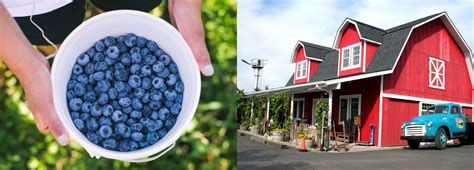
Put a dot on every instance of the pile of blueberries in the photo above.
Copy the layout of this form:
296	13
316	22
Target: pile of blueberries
125	93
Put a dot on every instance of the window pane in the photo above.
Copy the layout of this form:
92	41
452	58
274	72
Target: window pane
304	69
295	108
343	110
300	109
355	55
354	108
345	58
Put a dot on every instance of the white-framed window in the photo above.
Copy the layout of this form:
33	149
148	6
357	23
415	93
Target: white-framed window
349	107
298	108
351	56
436	73
301	69
423	110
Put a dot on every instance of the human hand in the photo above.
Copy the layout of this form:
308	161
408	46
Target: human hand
37	86
186	17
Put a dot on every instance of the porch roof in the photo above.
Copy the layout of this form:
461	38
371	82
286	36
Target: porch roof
299	88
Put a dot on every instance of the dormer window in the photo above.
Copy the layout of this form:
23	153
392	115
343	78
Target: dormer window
351	56
301	69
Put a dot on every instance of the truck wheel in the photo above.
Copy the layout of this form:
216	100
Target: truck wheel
414	144
441	139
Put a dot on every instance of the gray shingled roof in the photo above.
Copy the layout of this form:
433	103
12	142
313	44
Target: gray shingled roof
315	51
385	57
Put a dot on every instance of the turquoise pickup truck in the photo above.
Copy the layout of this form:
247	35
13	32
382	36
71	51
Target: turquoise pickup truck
441	123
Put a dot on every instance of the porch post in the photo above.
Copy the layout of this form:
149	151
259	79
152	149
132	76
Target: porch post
251	111
268	108
329	109
291	108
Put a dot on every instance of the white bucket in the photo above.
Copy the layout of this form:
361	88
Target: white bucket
118	23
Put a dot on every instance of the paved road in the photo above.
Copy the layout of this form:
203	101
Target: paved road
253	155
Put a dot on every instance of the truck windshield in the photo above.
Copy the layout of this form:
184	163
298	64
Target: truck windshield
441	109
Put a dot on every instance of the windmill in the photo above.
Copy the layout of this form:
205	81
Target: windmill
257	66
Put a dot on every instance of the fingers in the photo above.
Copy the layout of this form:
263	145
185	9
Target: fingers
40	124
52	120
187	18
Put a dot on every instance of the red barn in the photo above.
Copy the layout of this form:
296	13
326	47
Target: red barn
385	77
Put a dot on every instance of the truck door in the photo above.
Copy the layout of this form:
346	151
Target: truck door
456	120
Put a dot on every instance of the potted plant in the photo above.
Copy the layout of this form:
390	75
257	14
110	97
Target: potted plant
254	129
277	134
245	124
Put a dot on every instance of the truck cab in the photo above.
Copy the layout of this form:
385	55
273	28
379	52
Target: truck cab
441	123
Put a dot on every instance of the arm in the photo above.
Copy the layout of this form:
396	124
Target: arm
32	69
185	15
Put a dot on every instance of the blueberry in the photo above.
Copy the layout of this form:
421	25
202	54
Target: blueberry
135	68
152	138
77	69
120	38
164	73
109	75
158	83
127	132
91	79
109	61
171	79
96	110
90	96
146	98
146	70
130	122
137	127
105	131
133	146
115	104
71	84
75	115
159	52
175	108
70	94
109	41
100	75
136	104
170	95
134	81
162	133
152	126
135	50
121	75
137	136
98	57
163	114
85	116
103	85
82	79
170	123
179	87
125	102
90	52
105	121
89	68
144	120
113	52
126	59
151	45
83	59
103	98
91	124
122	47
143	143
149	59
93	137
127	110
75	104
99	45
136	114
165	58
169	103
79	124
130	40
107	110
117	116
141	42
136	58
100	66
146	83
179	98
138	93
124	145
158	66
120	128
86	107
173	68
156	96
120	86
154	104
145	51
109	143
123	94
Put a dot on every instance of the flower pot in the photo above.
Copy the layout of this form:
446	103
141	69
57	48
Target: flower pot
243	127
277	137
254	130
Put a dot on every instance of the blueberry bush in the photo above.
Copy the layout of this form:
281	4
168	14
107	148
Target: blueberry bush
208	143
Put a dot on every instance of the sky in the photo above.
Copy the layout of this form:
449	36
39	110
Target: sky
269	29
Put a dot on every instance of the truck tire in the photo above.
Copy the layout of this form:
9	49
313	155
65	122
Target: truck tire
441	139
414	144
